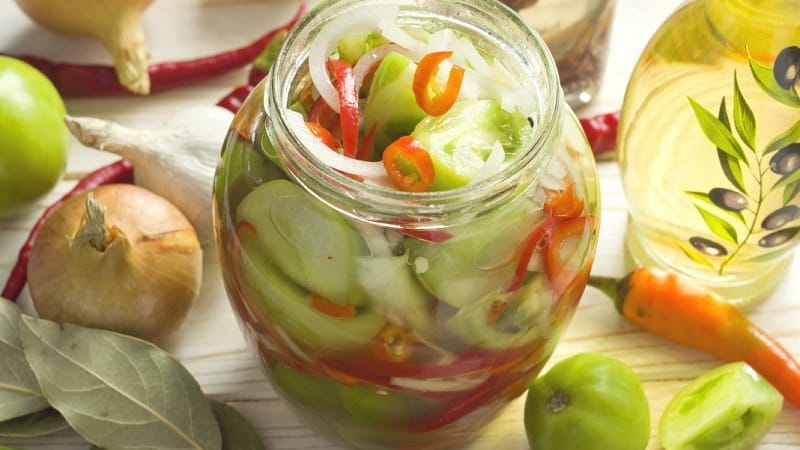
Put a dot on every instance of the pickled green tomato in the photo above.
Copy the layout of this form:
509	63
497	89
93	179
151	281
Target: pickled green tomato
728	408
587	402
34	141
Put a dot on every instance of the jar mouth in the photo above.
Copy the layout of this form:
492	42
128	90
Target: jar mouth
500	33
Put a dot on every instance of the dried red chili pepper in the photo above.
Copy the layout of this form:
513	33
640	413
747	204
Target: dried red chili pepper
677	309
601	131
120	171
97	80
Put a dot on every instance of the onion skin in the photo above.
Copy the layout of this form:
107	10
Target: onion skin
142	284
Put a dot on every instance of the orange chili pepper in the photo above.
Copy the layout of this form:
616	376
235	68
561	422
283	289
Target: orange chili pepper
323	135
677	309
430	96
408	164
563	202
332	309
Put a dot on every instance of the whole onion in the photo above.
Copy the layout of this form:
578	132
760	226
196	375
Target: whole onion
119	258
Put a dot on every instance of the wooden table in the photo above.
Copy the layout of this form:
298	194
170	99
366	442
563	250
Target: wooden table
210	344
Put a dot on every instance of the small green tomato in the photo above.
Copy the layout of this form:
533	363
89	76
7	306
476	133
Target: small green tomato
34	141
587	402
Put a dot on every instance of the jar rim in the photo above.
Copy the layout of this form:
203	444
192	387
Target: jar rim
498	25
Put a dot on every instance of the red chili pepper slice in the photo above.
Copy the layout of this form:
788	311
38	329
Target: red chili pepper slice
564	241
536	239
564	202
366	147
408	164
345	84
431	97
330	308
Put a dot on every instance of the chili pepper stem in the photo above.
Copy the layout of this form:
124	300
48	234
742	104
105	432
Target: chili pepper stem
610	287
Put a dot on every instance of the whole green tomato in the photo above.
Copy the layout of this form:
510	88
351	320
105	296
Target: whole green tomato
588	401
34	140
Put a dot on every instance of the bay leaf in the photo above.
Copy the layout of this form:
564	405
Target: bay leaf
40	423
116	391
19	391
237	432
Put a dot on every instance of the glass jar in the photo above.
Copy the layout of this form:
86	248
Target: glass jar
393	319
709	145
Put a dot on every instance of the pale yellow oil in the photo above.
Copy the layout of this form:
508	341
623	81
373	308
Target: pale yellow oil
664	154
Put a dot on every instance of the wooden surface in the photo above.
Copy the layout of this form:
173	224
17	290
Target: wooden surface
210	344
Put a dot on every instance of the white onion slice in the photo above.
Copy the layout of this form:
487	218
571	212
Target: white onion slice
492	164
364	19
392	31
369	170
365	64
454	384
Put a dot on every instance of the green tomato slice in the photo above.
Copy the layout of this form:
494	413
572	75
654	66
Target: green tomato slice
588	401
461	140
309	242
729	408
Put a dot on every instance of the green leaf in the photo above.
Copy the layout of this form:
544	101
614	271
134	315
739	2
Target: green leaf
768	256
38	424
743	116
787	137
19	392
787	180
732	170
766	81
719	226
116	391
717	132
790	192
704	197
237	432
693	254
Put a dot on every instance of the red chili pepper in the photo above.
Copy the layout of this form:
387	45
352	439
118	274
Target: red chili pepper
345	84
408	164
434	100
536	239
564	202
601	132
677	309
120	171
566	235
366	147
95	80
235	98
332	309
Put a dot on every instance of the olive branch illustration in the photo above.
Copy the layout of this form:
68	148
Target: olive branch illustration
738	156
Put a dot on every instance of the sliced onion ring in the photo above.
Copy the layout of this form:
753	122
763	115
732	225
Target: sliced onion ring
373	57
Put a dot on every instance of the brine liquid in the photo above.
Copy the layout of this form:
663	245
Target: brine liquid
668	164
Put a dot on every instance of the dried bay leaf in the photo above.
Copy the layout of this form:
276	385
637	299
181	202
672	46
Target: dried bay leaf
116	391
19	391
40	423
237	432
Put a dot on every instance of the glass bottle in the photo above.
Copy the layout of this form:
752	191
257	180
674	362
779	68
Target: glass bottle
391	319
709	145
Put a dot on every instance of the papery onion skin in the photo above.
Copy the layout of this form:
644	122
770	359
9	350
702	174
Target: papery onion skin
143	284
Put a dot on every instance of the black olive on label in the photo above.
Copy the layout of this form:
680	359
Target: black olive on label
787	67
728	199
787	160
780	217
707	246
779	237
